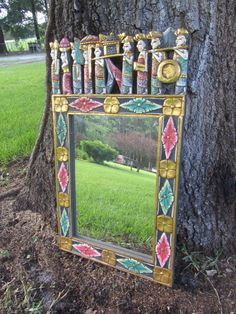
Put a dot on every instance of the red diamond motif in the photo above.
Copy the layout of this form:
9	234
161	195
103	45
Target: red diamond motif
63	177
86	250
169	137
85	104
163	250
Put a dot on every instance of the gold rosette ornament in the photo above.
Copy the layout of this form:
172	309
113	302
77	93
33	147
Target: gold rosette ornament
173	107
167	169
111	105
65	243
165	223
64	200
163	275
109	257
62	154
60	104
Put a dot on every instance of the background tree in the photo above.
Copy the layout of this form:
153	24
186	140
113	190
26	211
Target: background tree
21	17
3	8
207	216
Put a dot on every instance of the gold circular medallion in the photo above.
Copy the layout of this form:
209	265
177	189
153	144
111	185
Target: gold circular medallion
168	71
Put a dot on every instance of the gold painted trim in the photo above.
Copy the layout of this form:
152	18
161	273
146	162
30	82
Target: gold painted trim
159	143
173	238
60	104
55	170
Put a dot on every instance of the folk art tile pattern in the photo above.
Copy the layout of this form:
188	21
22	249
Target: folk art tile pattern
86	250
140	105
61	129
134	266
169	137
63	177
163	250
166	197
85	104
65	222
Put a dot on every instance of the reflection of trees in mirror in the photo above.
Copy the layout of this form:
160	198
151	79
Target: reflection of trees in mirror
113	203
134	138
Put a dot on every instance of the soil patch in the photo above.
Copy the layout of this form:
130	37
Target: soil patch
36	277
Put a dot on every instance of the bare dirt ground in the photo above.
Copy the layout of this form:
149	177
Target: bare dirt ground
35	277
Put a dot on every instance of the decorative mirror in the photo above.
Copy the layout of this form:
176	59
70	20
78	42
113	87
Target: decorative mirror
117	155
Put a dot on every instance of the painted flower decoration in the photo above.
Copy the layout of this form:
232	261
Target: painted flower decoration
63	199
167	169
86	250
163	275
109	257
111	105
172	107
85	104
63	177
169	137
163	250
166	197
165	223
62	154
60	104
140	105
134	265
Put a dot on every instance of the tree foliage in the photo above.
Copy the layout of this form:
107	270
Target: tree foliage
99	151
20	17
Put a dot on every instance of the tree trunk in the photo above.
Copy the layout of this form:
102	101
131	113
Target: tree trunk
3	48
36	27
207	215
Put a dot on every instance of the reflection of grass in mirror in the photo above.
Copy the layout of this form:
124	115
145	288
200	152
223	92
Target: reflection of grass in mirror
115	204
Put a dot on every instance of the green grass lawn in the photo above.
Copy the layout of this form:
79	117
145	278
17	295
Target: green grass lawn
22	96
115	204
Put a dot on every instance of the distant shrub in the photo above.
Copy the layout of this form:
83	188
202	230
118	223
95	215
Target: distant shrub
99	151
80	154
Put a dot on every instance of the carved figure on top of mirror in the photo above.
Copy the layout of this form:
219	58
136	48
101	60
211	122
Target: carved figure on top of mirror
77	56
55	67
66	78
181	56
127	66
87	43
157	57
141	66
100	84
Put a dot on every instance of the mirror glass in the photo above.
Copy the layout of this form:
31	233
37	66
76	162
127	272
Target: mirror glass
115	175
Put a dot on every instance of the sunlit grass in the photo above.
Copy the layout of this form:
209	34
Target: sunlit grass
115	204
22	100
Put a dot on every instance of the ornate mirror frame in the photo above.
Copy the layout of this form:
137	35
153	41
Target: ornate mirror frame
169	109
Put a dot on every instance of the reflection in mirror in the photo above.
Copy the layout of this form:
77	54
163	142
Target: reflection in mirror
115	173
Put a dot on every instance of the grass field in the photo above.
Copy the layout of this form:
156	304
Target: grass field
115	204
22	100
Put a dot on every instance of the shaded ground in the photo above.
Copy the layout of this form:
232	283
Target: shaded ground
35	277
21	59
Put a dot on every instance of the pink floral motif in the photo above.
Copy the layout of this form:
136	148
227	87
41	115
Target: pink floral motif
163	250
169	137
63	177
85	104
86	250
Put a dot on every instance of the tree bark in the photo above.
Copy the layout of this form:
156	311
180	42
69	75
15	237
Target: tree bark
3	48
207	214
